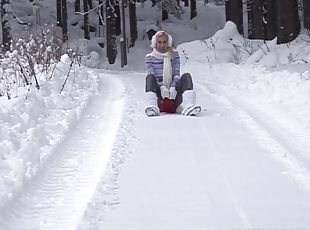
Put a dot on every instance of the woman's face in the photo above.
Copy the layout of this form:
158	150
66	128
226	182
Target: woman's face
162	42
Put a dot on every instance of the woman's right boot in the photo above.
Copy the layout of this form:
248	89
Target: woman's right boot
151	108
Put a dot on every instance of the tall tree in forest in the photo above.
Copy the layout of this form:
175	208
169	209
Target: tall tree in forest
261	19
64	18
58	13
186	2
288	24
306	7
86	20
133	23
234	13
6	29
117	12
111	31
193	9
164	10
77	6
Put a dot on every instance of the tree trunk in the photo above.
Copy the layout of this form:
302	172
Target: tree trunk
64	23
133	23
6	29
234	13
306	6
288	24
90	4
111	31
164	11
59	13
118	18
77	6
86	21
101	16
261	19
186	2
193	9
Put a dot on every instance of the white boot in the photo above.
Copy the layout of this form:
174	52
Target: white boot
151	108
189	103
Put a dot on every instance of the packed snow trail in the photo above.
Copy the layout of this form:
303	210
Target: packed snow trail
57	197
225	169
221	170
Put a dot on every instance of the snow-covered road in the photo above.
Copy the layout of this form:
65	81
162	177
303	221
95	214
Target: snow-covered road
225	169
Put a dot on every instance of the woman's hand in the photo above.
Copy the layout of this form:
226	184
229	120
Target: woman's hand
172	93
164	92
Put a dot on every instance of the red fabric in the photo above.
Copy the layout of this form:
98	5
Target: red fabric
167	106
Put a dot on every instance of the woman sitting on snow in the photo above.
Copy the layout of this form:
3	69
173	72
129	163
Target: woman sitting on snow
165	90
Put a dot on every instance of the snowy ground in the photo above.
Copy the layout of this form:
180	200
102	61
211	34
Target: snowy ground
90	159
243	163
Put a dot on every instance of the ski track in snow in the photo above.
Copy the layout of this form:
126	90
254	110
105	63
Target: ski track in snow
58	196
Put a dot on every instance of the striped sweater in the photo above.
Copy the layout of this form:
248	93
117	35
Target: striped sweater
155	66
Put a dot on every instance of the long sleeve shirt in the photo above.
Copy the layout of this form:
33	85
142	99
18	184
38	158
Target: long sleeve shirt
154	65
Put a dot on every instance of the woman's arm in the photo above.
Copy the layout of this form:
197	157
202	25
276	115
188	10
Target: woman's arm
148	65
175	69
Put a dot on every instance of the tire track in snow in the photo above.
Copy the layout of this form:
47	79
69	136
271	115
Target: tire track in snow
265	134
106	196
234	198
59	194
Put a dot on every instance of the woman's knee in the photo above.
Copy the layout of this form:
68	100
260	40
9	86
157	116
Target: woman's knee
150	77
186	75
186	81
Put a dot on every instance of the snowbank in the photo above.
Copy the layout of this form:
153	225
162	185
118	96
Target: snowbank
228	46
33	123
